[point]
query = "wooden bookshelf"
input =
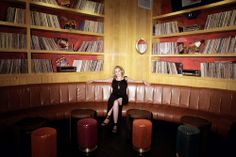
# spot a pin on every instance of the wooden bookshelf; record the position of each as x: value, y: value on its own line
x: 37, y: 78
x: 13, y: 50
x: 193, y: 81
x: 64, y: 9
x: 31, y: 29
x: 59, y: 30
x: 205, y: 31
x: 15, y: 1
x: 66, y: 52
x: 192, y: 60
x: 11, y: 24
x: 208, y: 6
x: 198, y: 55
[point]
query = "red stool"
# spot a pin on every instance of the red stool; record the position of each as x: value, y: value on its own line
x: 142, y: 135
x: 76, y: 115
x: 135, y: 114
x: 44, y: 142
x: 87, y: 134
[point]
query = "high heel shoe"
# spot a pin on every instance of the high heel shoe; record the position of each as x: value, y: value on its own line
x: 106, y: 121
x: 114, y: 129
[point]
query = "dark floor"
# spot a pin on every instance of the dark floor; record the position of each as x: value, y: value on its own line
x: 117, y: 145
x: 163, y: 143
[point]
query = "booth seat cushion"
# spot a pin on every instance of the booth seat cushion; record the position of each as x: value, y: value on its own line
x: 52, y: 112
x: 220, y: 123
x: 166, y: 102
x: 29, y: 96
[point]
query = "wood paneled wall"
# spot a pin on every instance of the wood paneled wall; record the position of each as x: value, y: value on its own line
x: 125, y: 23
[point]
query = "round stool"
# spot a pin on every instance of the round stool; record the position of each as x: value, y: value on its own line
x: 135, y: 114
x: 77, y: 114
x: 83, y: 113
x: 87, y: 134
x: 204, y: 126
x: 142, y: 135
x: 44, y: 142
x: 187, y: 142
x: 24, y: 128
x: 232, y: 138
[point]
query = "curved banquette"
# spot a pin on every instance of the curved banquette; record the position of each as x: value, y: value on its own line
x: 166, y: 102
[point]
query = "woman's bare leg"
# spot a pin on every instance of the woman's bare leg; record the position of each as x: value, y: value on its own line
x: 107, y: 120
x: 116, y: 109
x: 116, y: 113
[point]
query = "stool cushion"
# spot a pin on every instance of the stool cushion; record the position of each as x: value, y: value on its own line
x: 83, y: 113
x: 87, y: 133
x: 204, y: 126
x: 187, y: 142
x: 44, y: 142
x: 77, y: 114
x: 31, y: 123
x: 196, y: 121
x: 135, y: 114
x: 24, y: 128
x: 188, y: 130
x: 142, y: 133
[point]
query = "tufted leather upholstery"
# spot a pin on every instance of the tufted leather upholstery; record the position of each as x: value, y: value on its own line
x: 166, y: 102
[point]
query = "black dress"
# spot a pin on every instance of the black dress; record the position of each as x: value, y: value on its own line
x: 118, y: 91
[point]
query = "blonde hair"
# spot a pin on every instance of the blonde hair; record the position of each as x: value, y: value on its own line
x: 121, y: 69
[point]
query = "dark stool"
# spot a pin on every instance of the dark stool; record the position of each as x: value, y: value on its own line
x: 76, y: 115
x: 135, y: 114
x: 204, y: 126
x: 87, y: 134
x: 44, y: 142
x: 187, y: 141
x: 24, y: 129
x: 232, y: 138
x: 142, y: 135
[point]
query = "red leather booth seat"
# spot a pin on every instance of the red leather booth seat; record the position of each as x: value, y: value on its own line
x: 166, y: 102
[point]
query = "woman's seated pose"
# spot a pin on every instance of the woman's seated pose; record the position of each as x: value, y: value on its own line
x: 118, y: 97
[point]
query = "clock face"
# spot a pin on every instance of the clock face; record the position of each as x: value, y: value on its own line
x: 141, y: 46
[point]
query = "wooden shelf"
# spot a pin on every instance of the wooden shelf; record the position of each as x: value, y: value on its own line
x: 198, y: 55
x: 11, y: 24
x: 57, y: 77
x: 193, y: 81
x: 15, y: 1
x: 208, y: 6
x: 192, y: 77
x: 68, y: 10
x: 66, y: 52
x: 24, y: 1
x: 205, y: 31
x: 49, y: 74
x: 71, y: 73
x: 13, y: 50
x: 71, y: 31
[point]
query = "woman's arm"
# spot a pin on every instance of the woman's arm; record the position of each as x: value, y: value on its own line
x: 137, y: 81
x: 102, y: 80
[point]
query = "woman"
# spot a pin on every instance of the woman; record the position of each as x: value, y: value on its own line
x: 118, y: 97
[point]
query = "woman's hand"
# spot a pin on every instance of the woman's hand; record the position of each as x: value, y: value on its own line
x: 146, y: 83
x: 90, y: 81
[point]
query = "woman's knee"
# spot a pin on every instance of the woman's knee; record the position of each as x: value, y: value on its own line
x: 119, y: 101
x: 116, y: 103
